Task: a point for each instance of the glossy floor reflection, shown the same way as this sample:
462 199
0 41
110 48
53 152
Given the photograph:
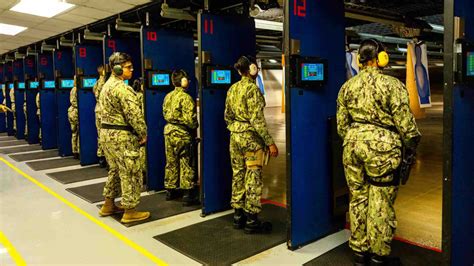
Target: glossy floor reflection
419 203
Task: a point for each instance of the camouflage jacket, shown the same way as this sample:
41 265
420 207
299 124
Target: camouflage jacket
119 106
73 98
12 99
96 90
375 107
38 104
179 110
244 107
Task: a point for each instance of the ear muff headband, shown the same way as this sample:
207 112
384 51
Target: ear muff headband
117 62
382 56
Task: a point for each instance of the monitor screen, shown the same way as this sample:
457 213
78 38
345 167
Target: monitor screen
67 83
312 72
49 84
10 86
88 83
160 79
34 84
21 85
220 76
470 64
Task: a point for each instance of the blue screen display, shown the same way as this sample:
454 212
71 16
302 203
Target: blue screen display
312 72
34 84
88 83
10 86
220 77
21 85
126 81
49 84
160 79
470 64
67 83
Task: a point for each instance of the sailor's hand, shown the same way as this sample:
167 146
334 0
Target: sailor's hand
143 141
273 150
4 109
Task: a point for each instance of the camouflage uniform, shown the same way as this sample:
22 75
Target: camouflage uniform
246 121
38 111
120 107
73 116
142 148
12 97
374 119
179 111
97 89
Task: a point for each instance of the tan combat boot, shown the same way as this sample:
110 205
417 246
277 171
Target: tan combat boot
110 208
131 215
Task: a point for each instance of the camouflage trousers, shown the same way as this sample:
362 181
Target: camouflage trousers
179 161
74 121
247 182
98 123
372 214
122 151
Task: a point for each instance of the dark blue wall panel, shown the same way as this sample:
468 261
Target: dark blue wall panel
19 76
63 68
130 46
49 136
32 119
226 38
167 50
87 58
9 80
308 111
462 212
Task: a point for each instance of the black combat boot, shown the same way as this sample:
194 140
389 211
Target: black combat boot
172 194
102 162
362 258
254 226
76 156
239 219
190 197
385 261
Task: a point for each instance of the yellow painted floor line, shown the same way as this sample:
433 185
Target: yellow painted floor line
11 250
127 241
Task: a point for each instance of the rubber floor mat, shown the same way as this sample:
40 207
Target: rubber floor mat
409 255
77 175
216 242
34 155
90 193
52 163
7 138
12 143
34 147
158 207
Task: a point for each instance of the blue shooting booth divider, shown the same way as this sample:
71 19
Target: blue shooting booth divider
49 136
307 111
9 86
162 51
3 118
224 39
130 46
64 74
32 85
19 77
87 57
462 199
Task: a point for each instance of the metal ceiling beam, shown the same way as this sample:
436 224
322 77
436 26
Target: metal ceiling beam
373 19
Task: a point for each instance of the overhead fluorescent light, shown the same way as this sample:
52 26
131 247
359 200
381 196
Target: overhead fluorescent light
273 61
9 29
403 50
42 8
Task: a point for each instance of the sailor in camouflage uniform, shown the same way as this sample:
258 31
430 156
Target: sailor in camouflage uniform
138 88
73 116
249 140
123 131
179 112
38 111
96 90
374 120
12 98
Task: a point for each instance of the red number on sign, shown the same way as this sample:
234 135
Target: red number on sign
60 55
299 8
44 61
151 36
10 69
82 52
17 64
111 44
29 63
209 27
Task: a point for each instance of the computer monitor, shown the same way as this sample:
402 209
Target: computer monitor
308 72
66 83
33 85
219 76
21 85
10 86
470 64
159 80
88 82
126 81
49 85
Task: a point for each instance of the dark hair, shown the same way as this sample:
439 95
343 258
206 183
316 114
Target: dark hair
369 50
243 64
137 84
100 68
177 76
119 58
